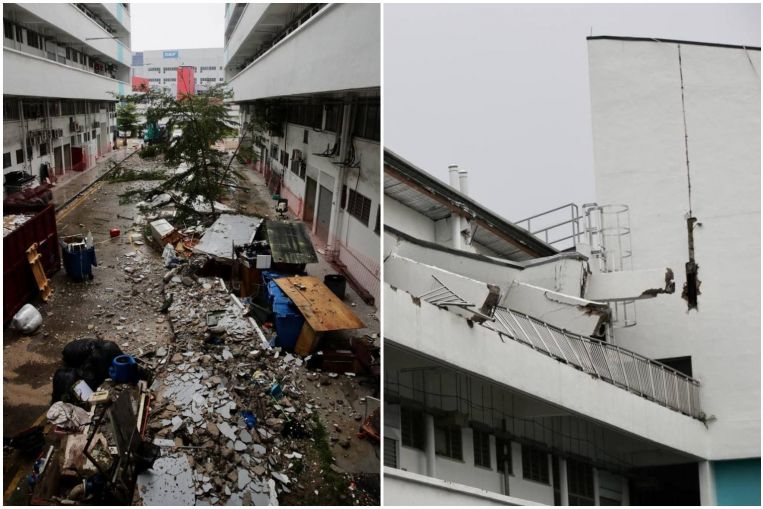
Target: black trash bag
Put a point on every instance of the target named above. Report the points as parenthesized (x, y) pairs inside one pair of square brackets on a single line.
[(78, 351), (96, 369), (63, 381)]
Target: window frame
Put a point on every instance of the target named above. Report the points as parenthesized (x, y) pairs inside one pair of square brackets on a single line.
[(7, 162), (481, 448), (535, 465), (412, 433), (453, 447)]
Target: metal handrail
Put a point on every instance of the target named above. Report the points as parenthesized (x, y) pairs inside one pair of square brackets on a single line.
[(543, 233), (626, 369)]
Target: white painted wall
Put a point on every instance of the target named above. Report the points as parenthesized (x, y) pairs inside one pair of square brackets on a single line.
[(337, 49), (447, 337), (76, 24), (406, 488), (32, 76), (639, 157)]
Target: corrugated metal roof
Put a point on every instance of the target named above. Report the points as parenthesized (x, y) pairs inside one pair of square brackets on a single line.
[(290, 242), (429, 196)]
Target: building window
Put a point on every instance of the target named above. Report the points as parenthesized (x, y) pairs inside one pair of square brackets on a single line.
[(390, 452), (481, 442), (447, 440), (170, 69), (274, 151), (377, 228), (367, 122), (304, 136), (412, 428), (154, 69), (503, 455), (7, 160), (284, 159), (19, 34), (580, 483), (359, 206), (8, 29), (534, 464), (296, 156), (43, 149), (19, 156)]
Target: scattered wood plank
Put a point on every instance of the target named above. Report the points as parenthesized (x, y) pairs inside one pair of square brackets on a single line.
[(39, 273)]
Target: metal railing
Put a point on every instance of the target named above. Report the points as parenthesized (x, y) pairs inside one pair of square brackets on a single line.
[(633, 372), (563, 230)]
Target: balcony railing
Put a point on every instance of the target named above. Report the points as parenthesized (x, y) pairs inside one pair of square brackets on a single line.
[(638, 374)]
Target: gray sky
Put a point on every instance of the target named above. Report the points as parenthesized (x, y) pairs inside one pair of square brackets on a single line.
[(502, 90), (177, 26)]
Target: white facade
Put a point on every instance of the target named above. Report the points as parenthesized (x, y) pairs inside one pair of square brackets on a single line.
[(489, 331), (159, 67), (311, 73), (63, 65), (640, 130)]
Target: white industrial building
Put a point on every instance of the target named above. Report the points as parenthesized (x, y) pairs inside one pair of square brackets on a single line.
[(159, 67), (607, 354), (309, 76), (63, 66)]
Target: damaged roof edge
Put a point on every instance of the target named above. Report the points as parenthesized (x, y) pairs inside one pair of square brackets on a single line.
[(520, 265), (522, 236), (669, 41)]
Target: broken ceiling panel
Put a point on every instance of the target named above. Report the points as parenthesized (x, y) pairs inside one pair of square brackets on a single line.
[(227, 231)]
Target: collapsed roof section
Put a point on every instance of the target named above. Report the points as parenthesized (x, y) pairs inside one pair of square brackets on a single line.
[(436, 200)]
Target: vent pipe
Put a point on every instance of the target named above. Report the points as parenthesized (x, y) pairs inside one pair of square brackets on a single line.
[(463, 182), (455, 219)]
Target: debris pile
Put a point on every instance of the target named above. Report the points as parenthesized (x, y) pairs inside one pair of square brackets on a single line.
[(12, 222)]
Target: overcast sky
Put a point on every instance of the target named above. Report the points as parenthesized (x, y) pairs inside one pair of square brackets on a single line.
[(177, 26), (502, 90)]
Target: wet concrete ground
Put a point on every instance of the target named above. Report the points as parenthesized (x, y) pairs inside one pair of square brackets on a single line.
[(123, 307)]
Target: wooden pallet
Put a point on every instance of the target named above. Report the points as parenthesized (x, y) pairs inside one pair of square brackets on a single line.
[(39, 273)]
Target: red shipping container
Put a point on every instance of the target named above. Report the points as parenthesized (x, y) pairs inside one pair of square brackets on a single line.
[(19, 285), (185, 81)]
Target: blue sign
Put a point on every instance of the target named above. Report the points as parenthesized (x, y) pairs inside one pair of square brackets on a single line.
[(170, 54), (137, 59)]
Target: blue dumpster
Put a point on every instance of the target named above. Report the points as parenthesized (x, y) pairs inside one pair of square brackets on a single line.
[(286, 317), (78, 258), (288, 322)]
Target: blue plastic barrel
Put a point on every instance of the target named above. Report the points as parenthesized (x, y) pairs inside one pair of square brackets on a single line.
[(124, 370), (78, 261)]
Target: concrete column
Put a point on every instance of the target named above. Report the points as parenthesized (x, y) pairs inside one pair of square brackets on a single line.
[(429, 447), (596, 498), (344, 150), (563, 485), (707, 494), (455, 219)]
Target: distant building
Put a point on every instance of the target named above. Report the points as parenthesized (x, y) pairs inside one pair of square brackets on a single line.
[(309, 74), (160, 67), (63, 65), (607, 357)]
